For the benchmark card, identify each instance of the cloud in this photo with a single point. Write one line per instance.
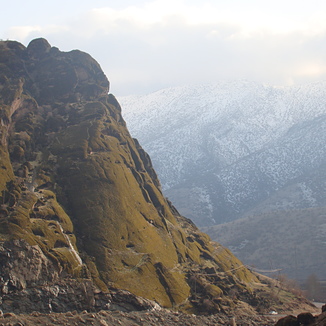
(26, 33)
(22, 32)
(279, 17)
(164, 43)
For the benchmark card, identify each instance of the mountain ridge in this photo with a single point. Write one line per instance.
(237, 144)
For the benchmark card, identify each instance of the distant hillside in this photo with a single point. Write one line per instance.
(294, 241)
(227, 150)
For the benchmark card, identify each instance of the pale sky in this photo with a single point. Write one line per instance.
(143, 46)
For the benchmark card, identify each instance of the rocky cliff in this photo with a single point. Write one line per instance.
(82, 212)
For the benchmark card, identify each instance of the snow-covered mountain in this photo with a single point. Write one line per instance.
(226, 150)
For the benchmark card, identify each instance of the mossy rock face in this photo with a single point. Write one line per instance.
(73, 181)
(119, 213)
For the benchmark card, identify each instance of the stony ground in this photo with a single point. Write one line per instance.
(148, 318)
(114, 318)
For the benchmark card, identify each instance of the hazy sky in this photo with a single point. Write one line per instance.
(144, 45)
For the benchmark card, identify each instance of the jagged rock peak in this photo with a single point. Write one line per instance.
(52, 74)
(38, 47)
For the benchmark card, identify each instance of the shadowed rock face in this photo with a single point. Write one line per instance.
(82, 194)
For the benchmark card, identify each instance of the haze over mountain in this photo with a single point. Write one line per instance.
(292, 241)
(231, 149)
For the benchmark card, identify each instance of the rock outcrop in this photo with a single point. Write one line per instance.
(82, 212)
